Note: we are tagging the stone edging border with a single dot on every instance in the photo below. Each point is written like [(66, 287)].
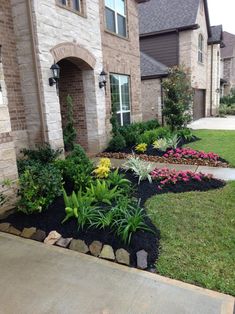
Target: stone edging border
[(96, 248)]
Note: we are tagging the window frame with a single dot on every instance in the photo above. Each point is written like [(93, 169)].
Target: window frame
[(121, 111), (200, 48), (69, 6), (116, 13)]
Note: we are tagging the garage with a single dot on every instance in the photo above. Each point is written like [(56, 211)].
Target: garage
[(199, 104)]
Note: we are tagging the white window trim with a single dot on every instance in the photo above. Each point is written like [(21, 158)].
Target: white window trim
[(116, 13), (121, 111)]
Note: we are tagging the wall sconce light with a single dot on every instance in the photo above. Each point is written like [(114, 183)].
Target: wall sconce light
[(55, 74), (103, 79)]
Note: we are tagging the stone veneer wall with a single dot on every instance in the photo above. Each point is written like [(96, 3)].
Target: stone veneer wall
[(122, 56), (151, 99), (64, 34)]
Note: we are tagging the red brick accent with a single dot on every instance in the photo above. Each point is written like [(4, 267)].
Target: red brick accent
[(10, 66), (71, 83)]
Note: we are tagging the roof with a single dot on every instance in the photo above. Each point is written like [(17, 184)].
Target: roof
[(229, 50), (216, 34), (151, 68)]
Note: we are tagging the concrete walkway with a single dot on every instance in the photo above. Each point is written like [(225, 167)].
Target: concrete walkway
[(227, 123), (226, 174), (39, 279)]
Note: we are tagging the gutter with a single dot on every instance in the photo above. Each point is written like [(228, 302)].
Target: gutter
[(36, 69), (211, 92), (172, 30)]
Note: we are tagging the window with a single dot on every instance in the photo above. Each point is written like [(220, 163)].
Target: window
[(120, 97), (200, 48), (115, 14), (74, 5)]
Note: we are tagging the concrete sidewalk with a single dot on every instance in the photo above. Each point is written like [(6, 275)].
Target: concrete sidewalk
[(39, 279), (227, 123), (226, 174)]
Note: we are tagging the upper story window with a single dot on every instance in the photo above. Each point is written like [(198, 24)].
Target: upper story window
[(115, 14), (74, 5), (200, 48)]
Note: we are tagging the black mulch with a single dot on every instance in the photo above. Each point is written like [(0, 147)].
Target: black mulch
[(51, 220)]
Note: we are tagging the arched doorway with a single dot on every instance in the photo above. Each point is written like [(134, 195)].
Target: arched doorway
[(71, 84)]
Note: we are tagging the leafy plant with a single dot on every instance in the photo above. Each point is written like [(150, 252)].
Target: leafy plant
[(186, 134), (80, 206), (161, 144), (104, 220), (103, 168), (69, 131), (178, 98), (101, 192), (130, 221), (118, 180), (141, 148), (43, 154), (38, 187), (140, 168), (149, 137), (173, 141)]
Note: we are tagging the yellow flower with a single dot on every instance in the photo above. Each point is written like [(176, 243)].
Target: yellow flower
[(141, 148), (105, 162), (101, 172)]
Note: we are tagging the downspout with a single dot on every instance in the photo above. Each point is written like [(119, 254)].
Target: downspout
[(211, 92), (162, 102), (36, 69)]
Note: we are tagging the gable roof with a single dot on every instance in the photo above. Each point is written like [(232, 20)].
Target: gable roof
[(229, 50), (216, 34), (165, 15), (151, 68)]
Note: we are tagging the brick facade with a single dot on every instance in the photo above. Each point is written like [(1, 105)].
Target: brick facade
[(151, 99), (122, 56)]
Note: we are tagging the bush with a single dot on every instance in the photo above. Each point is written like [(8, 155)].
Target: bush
[(151, 136), (117, 143), (226, 110), (43, 154), (186, 134), (69, 132), (228, 100), (39, 185)]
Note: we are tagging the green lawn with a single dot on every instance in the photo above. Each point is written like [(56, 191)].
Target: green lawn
[(197, 237), (220, 142)]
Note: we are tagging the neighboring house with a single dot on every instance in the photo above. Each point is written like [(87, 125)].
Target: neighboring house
[(228, 64), (178, 32), (82, 37)]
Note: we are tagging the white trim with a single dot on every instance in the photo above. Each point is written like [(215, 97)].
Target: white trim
[(116, 13)]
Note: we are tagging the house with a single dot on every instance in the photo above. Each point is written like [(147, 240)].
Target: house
[(228, 64), (92, 46), (178, 32)]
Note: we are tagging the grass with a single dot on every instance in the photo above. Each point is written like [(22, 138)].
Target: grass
[(197, 237), (220, 142)]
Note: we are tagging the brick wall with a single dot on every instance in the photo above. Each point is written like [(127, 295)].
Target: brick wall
[(151, 99), (71, 83), (122, 56)]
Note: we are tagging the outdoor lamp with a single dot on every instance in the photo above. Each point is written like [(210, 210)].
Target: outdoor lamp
[(103, 79), (55, 69)]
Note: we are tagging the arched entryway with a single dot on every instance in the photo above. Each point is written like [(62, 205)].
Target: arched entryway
[(71, 83)]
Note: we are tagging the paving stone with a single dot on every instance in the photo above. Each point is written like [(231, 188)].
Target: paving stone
[(14, 231), (4, 226), (95, 248), (28, 232), (39, 235), (79, 246), (142, 261), (107, 253), (64, 242), (52, 237), (123, 257)]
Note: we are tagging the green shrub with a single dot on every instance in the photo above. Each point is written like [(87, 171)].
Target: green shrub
[(151, 136), (43, 154), (117, 143), (39, 185), (102, 193), (228, 100), (226, 110), (186, 134), (119, 180)]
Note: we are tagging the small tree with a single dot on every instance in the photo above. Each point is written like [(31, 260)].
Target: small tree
[(69, 132), (178, 98)]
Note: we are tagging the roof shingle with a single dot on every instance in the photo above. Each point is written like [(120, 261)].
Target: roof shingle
[(151, 68)]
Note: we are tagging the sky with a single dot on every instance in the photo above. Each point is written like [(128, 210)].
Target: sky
[(223, 12)]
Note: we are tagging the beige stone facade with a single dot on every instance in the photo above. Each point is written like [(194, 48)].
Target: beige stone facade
[(35, 34)]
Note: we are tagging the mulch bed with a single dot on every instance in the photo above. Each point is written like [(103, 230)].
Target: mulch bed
[(51, 219), (154, 155)]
